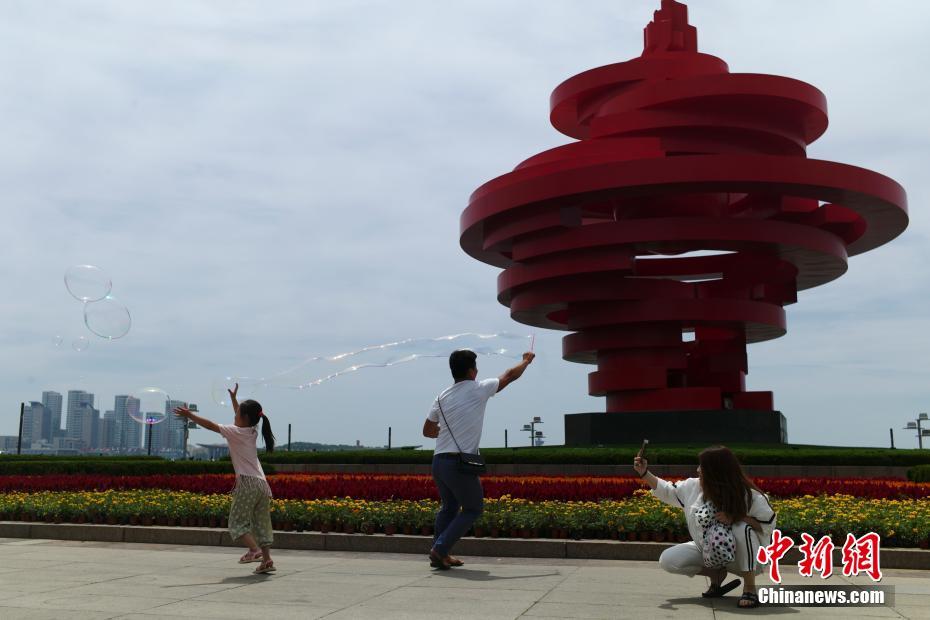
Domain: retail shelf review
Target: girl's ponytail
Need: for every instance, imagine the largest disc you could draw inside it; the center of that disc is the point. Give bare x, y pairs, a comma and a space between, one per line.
267, 435
253, 411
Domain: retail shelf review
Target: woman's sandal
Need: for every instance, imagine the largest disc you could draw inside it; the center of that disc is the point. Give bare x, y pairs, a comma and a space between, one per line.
265, 567
252, 556
453, 561
748, 596
438, 561
716, 591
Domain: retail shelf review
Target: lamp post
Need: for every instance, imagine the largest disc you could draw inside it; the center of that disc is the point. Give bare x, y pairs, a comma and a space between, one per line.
19, 441
188, 425
531, 429
921, 432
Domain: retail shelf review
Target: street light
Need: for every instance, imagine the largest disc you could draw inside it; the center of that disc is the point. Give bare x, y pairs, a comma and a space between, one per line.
534, 434
916, 426
188, 425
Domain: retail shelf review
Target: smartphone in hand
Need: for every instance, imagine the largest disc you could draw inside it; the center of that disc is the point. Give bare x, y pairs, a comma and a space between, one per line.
642, 449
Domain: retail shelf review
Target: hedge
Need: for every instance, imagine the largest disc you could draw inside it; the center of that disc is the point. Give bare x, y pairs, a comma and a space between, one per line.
74, 457
671, 455
921, 473
116, 467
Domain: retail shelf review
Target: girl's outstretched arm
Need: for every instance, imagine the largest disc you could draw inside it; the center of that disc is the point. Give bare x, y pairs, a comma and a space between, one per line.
233, 399
184, 412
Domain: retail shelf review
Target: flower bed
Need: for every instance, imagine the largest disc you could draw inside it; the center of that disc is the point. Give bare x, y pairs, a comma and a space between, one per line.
903, 523
415, 487
748, 454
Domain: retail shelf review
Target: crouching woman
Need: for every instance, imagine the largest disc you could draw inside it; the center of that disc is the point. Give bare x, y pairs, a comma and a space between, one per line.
727, 516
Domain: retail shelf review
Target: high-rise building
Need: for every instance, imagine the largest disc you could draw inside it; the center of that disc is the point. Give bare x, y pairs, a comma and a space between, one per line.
127, 431
52, 402
167, 436
25, 426
36, 423
174, 431
80, 421
92, 431
109, 440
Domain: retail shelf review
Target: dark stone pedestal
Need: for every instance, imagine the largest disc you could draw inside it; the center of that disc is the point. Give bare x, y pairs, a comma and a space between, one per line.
713, 426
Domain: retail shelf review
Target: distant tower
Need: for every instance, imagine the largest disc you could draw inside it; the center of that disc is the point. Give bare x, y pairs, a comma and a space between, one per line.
128, 431
673, 233
36, 423
171, 437
52, 401
80, 420
108, 436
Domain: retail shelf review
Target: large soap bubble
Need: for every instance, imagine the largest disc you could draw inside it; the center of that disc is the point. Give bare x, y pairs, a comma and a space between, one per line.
107, 318
248, 387
315, 371
148, 405
87, 283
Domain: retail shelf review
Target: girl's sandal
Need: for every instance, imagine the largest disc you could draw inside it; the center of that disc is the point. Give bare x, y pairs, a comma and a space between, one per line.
748, 596
718, 591
251, 556
265, 567
453, 561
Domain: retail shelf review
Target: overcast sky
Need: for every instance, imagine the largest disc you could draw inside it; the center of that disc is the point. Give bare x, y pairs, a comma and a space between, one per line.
269, 181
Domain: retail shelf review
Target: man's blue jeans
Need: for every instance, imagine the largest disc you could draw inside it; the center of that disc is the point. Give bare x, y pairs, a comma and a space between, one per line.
462, 501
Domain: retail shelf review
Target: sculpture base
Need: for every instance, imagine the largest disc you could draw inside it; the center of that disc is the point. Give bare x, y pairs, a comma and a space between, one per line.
709, 426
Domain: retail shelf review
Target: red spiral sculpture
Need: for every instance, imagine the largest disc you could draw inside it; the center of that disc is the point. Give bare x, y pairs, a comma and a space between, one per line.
679, 225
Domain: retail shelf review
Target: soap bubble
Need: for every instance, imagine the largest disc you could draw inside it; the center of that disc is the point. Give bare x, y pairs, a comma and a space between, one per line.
315, 371
58, 341
148, 405
87, 283
80, 344
107, 318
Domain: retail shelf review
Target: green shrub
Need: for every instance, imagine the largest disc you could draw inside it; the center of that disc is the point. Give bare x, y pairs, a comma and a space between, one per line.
613, 455
83, 457
920, 473
115, 467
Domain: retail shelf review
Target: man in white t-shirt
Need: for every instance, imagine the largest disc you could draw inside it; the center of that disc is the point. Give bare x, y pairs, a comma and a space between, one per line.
455, 420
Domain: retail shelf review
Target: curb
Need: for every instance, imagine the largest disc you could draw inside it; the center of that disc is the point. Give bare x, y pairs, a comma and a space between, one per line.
914, 559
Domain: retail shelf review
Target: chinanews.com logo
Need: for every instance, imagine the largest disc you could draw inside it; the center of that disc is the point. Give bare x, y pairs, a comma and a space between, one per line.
827, 596
859, 556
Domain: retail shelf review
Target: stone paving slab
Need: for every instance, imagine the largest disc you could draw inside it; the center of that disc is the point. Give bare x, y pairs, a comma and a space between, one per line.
917, 559
71, 579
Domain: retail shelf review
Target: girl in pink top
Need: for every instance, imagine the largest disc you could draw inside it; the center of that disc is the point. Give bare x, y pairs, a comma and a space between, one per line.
250, 512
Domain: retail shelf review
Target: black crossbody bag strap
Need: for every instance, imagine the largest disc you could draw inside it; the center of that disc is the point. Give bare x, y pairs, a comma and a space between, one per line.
446, 422
467, 463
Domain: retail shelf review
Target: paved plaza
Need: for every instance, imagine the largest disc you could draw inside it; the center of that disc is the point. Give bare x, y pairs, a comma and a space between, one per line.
60, 579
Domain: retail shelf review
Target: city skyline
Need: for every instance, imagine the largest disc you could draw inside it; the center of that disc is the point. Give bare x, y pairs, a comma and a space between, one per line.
85, 430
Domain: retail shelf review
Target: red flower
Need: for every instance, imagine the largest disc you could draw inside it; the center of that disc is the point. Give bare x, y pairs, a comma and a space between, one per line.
384, 487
